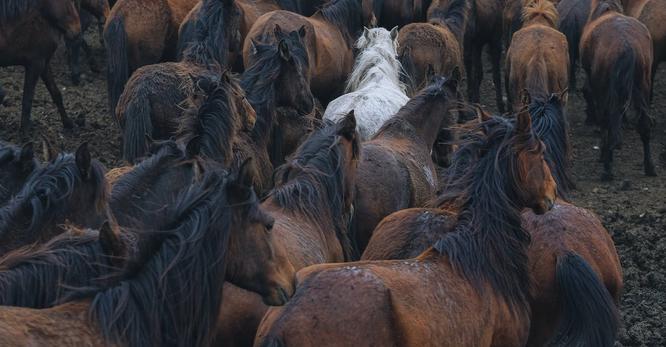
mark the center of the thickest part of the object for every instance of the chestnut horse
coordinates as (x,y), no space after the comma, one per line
(470,289)
(569,243)
(435,47)
(29,35)
(138,33)
(70,188)
(395,170)
(99,9)
(329,38)
(538,59)
(185,268)
(276,77)
(616,53)
(16,166)
(311,204)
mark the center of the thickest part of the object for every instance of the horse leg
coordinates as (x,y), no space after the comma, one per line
(589,101)
(474,68)
(2,96)
(51,86)
(495,50)
(645,131)
(606,154)
(73,55)
(92,63)
(32,73)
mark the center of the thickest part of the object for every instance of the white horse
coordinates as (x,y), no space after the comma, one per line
(374,90)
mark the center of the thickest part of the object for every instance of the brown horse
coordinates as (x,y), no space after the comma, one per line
(138,33)
(433,48)
(538,58)
(70,188)
(329,37)
(89,11)
(184,268)
(311,205)
(469,289)
(151,101)
(29,35)
(395,171)
(652,14)
(16,166)
(616,53)
(567,243)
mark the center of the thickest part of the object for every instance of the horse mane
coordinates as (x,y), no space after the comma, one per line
(488,243)
(209,46)
(10,9)
(605,6)
(43,275)
(215,123)
(550,124)
(312,183)
(344,14)
(375,60)
(46,192)
(454,17)
(540,8)
(162,303)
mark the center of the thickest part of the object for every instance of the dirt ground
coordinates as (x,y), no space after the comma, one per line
(633,207)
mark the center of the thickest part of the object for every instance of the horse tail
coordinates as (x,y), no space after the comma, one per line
(589,314)
(456,19)
(272,342)
(115,38)
(621,82)
(137,125)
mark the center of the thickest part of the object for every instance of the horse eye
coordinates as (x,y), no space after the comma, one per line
(269,225)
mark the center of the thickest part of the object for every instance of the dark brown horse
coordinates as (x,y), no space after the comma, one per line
(434,48)
(573,17)
(184,269)
(329,38)
(29,35)
(89,11)
(569,243)
(16,166)
(152,100)
(70,188)
(391,13)
(138,33)
(470,289)
(395,171)
(538,59)
(616,53)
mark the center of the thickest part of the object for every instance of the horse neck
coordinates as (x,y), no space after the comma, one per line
(425,118)
(386,72)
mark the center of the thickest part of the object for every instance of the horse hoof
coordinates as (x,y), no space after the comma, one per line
(67,123)
(650,171)
(76,80)
(606,177)
(80,121)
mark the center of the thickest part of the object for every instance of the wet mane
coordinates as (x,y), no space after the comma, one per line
(11,9)
(175,297)
(550,124)
(312,183)
(488,243)
(46,195)
(344,14)
(545,9)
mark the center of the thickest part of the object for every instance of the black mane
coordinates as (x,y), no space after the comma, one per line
(550,124)
(10,9)
(312,183)
(488,243)
(346,15)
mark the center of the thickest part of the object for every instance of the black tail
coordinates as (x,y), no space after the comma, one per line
(573,16)
(272,342)
(589,315)
(456,19)
(115,39)
(619,96)
(138,124)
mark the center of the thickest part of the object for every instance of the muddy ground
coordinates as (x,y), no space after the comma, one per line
(633,207)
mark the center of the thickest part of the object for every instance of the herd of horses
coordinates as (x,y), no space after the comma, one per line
(308,173)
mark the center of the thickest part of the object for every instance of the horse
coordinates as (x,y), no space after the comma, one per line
(616,54)
(311,205)
(395,170)
(70,188)
(99,9)
(537,59)
(277,77)
(329,39)
(573,17)
(184,268)
(150,102)
(568,243)
(16,166)
(470,288)
(374,90)
(138,33)
(435,47)
(29,35)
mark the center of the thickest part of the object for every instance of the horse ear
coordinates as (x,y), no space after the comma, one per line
(301,31)
(246,174)
(347,127)
(561,95)
(394,33)
(83,159)
(525,97)
(366,32)
(193,147)
(48,152)
(253,47)
(109,239)
(277,31)
(283,48)
(524,121)
(485,116)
